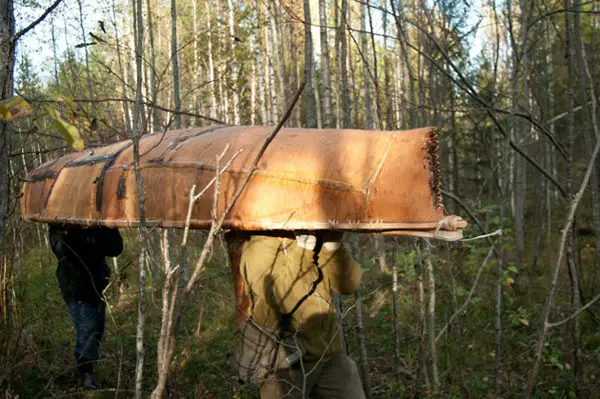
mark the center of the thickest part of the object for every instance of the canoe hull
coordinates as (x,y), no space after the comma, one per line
(306,179)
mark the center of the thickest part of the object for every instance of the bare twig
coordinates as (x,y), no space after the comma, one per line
(32,25)
(577,312)
(468,299)
(551,296)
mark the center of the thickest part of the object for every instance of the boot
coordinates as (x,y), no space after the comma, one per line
(89,381)
(86,372)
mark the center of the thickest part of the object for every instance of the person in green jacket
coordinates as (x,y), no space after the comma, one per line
(83,275)
(287,284)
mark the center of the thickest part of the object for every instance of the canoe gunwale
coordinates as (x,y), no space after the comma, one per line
(423,230)
(371,227)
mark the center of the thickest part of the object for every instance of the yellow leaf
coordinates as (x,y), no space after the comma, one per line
(59,98)
(13,108)
(509,281)
(524,322)
(52,112)
(67,130)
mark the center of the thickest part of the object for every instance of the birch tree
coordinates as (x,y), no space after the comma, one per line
(309,99)
(175,61)
(325,70)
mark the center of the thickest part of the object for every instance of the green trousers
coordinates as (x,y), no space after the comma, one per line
(337,378)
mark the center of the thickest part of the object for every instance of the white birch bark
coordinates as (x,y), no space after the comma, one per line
(260,65)
(234,66)
(211,66)
(325,71)
(175,61)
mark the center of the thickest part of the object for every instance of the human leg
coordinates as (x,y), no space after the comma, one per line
(89,326)
(338,379)
(294,383)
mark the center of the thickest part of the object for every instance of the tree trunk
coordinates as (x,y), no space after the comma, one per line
(403,39)
(368,103)
(7,63)
(262,103)
(360,333)
(125,104)
(313,71)
(278,65)
(253,83)
(87,64)
(211,66)
(54,53)
(346,109)
(353,80)
(309,97)
(234,66)
(175,61)
(387,73)
(360,329)
(136,134)
(325,71)
(520,98)
(397,353)
(570,241)
(431,319)
(156,125)
(271,46)
(588,135)
(338,73)
(499,284)
(399,90)
(422,321)
(380,250)
(197,69)
(375,77)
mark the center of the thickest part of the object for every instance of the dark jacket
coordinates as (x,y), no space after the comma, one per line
(82,271)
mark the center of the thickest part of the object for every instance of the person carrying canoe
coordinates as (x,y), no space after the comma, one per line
(290,339)
(83,275)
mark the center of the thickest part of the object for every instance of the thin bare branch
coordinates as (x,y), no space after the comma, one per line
(551,296)
(471,291)
(32,25)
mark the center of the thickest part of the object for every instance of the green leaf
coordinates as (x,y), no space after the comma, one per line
(513,269)
(13,108)
(221,21)
(67,130)
(52,112)
(60,98)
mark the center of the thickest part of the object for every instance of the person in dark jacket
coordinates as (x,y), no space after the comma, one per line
(83,275)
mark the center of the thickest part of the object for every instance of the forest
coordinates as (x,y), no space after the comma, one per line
(512,88)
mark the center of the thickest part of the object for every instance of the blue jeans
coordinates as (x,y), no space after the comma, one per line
(89,327)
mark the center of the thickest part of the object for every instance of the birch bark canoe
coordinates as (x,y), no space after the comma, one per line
(332,179)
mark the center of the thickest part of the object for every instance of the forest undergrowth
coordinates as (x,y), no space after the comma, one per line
(40,361)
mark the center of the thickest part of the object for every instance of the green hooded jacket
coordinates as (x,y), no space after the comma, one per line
(278,272)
